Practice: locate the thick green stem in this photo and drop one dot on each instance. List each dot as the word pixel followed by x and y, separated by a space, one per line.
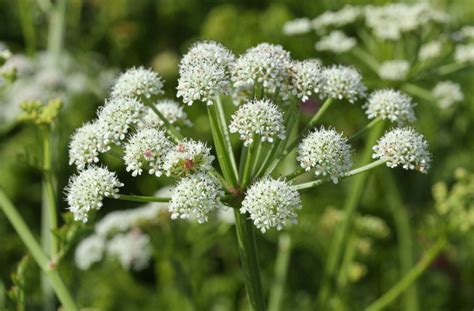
pixel 56 29
pixel 281 269
pixel 409 278
pixel 249 258
pixel 356 171
pixel 337 246
pixel 451 68
pixel 247 171
pixel 41 259
pixel 50 191
pixel 141 198
pixel 404 237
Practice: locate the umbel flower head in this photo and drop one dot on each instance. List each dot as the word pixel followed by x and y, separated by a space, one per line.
pixel 187 157
pixel 195 196
pixel 203 73
pixel 89 251
pixel 86 191
pixel 305 79
pixel 132 249
pixel 297 26
pixel 266 65
pixel 138 83
pixel 390 104
pixel 447 93
pixel 258 117
pixel 147 147
pixel 271 203
pixel 118 115
pixel 327 152
pixel 342 82
pixel 171 110
pixel 403 147
pixel 394 70
pixel 86 144
pixel 336 42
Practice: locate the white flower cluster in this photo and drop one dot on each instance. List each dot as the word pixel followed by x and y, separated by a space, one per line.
pixel 203 73
pixel 260 118
pixel 403 147
pixel 266 65
pixel 342 82
pixel 467 32
pixel 171 110
pixel 327 152
pixel 447 93
pixel 336 42
pixel 89 251
pixel 394 70
pixel 430 50
pixel 271 203
pixel 139 83
pixel 464 53
pixel 390 104
pixel 297 26
pixel 195 196
pixel 147 147
pixel 188 157
pixel 347 15
pixel 390 21
pixel 86 144
pixel 86 191
pixel 132 249
pixel 305 79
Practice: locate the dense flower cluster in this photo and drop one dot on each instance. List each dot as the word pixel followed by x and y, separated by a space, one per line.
pixel 336 42
pixel 132 249
pixel 342 82
pixel 86 144
pixel 390 104
pixel 447 93
pixel 171 110
pixel 186 157
pixel 138 83
pixel 305 79
pixel 394 70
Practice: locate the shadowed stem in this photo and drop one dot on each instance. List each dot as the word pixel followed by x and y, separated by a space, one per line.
pixel 281 269
pixel 366 128
pixel 409 278
pixel 38 255
pixel 141 198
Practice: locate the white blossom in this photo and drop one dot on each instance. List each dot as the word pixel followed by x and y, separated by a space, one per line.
pixel 85 192
pixel 195 196
pixel 297 26
pixel 394 70
pixel 305 78
pixel 390 104
pixel 89 251
pixel 187 157
pixel 336 42
pixel 271 204
pixel 430 50
pixel 403 147
pixel 342 82
pixel 171 110
pixel 447 93
pixel 132 249
pixel 464 53
pixel 347 15
pixel 138 83
pixel 327 152
pixel 86 144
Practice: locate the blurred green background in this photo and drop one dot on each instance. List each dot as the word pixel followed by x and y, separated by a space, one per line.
pixel 196 267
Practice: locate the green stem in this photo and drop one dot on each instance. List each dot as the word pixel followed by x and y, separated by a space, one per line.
pixel 418 91
pixel 56 29
pixel 172 131
pixel 314 183
pixel 349 255
pixel 404 237
pixel 451 68
pixel 38 255
pixel 27 26
pixel 366 128
pixel 247 172
pixel 248 254
pixel 295 174
pixel 142 198
pixel 49 184
pixel 277 291
pixel 409 278
pixel 315 119
pixel 339 239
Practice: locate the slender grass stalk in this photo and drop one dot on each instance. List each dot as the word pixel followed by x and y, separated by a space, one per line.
pixel 315 119
pixel 249 159
pixel 362 169
pixel 347 260
pixel 281 270
pixel 142 198
pixel 404 237
pixel 27 26
pixel 249 257
pixel 56 29
pixel 172 131
pixel 450 68
pixel 418 91
pixel 38 255
pixel 409 278
pixel 336 249
pixel 366 128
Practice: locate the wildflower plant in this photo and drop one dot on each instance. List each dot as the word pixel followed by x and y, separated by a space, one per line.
pixel 265 86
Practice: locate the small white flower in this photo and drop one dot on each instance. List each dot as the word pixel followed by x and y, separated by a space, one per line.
pixel 258 117
pixel 86 144
pixel 271 203
pixel 147 147
pixel 327 152
pixel 390 104
pixel 89 251
pixel 447 93
pixel 305 79
pixel 118 116
pixel 394 70
pixel 195 196
pixel 138 83
pixel 187 157
pixel 430 50
pixel 132 249
pixel 342 82
pixel 347 15
pixel 336 42
pixel 86 191
pixel 403 147
pixel 467 31
pixel 464 53
pixel 204 74
pixel 297 26
pixel 171 110
pixel 266 65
